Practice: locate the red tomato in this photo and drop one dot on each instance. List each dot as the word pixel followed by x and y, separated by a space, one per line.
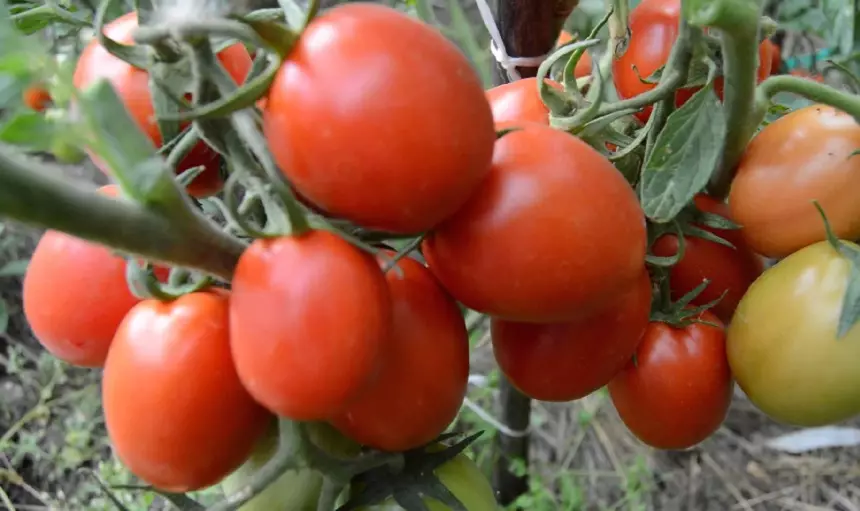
pixel 654 28
pixel 775 53
pixel 678 390
pixel 425 370
pixel 583 65
pixel 519 101
pixel 37 97
pixel 730 270
pixel 377 118
pixel 176 413
pixel 803 156
pixel 567 361
pixel 75 296
pixel 132 86
pixel 309 318
pixel 551 234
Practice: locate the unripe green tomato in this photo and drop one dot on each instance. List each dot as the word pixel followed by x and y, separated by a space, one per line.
pixel 465 480
pixel 782 345
pixel 294 490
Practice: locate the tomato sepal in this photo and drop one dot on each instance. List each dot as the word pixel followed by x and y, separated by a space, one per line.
pixel 850 313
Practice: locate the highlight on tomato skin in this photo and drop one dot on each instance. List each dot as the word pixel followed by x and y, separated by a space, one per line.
pixel 677 391
pixel 132 86
pixel 568 361
pixel 426 364
pixel 173 360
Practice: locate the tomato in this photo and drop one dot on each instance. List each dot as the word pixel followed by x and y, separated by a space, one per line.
pixel 75 296
pixel 653 30
pixel 729 270
pixel 36 97
pixel 465 480
pixel 583 66
pixel 426 365
pixel 809 75
pixel 377 118
pixel 551 234
pixel 790 363
pixel 803 156
pixel 309 318
pixel 677 391
pixel 132 86
pixel 175 410
pixel 775 53
pixel 567 361
pixel 519 101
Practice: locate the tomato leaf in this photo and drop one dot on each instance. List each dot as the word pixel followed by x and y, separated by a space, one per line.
pixel 851 301
pixel 15 268
pixel 4 316
pixel 685 154
pixel 29 129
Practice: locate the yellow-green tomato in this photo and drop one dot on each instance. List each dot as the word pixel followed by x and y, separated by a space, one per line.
pixel 465 481
pixel 782 345
pixel 294 491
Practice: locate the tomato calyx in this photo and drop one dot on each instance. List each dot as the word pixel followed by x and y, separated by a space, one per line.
pixel 680 314
pixel 850 313
pixel 408 483
pixel 691 221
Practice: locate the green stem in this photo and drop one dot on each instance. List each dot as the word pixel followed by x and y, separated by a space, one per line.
pixel 31 193
pixel 619 31
pixel 814 91
pixel 738 21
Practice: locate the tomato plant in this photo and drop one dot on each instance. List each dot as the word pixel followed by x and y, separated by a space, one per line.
pixel 176 413
pixel 132 85
pixel 555 218
pixel 567 361
pixel 583 65
pixel 729 270
pixel 464 480
pixel 310 316
pixel 653 30
pixel 677 390
pixel 790 364
pixel 413 136
pixel 803 156
pixel 517 102
pixel 426 363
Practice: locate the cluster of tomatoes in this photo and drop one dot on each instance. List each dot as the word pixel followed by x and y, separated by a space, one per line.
pixel 532 226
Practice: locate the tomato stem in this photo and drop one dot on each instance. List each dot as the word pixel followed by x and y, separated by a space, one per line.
pixel 619 31
pixel 818 92
pixel 738 21
pixel 31 192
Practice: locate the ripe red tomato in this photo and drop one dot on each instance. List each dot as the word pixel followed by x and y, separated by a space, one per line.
pixel 654 28
pixel 567 361
pixel 519 101
pixel 552 233
pixel 75 296
pixel 175 410
pixel 775 53
pixel 309 318
pixel 583 65
pixel 803 156
pixel 730 270
pixel 37 97
pixel 377 118
pixel 426 365
pixel 132 86
pixel 678 389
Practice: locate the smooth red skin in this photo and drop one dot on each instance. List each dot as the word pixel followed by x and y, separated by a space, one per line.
pixel 176 414
pixel 654 28
pixel 132 86
pixel 519 101
pixel 730 270
pixel 425 369
pixel 75 296
pixel 310 316
pixel 678 391
pixel 552 233
pixel 377 118
pixel 567 361
pixel 775 53
pixel 37 98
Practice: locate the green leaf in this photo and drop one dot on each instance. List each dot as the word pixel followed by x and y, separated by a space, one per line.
pixel 685 154
pixel 15 268
pixel 851 301
pixel 30 129
pixel 4 316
